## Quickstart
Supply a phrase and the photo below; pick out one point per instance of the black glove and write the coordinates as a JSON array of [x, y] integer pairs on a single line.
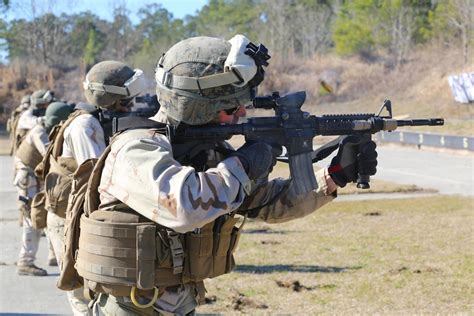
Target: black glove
[[355, 156], [258, 158]]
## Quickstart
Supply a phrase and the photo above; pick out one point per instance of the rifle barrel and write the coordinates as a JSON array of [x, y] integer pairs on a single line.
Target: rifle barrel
[[421, 122]]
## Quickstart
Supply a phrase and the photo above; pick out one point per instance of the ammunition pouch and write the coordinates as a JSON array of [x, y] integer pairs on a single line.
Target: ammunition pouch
[[38, 211], [58, 184], [119, 251], [210, 254]]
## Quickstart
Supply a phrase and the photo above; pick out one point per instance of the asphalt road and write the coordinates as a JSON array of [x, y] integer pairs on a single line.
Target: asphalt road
[[446, 172], [23, 295]]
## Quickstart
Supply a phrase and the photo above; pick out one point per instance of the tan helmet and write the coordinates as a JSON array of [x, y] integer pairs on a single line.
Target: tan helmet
[[110, 81], [199, 76], [42, 98]]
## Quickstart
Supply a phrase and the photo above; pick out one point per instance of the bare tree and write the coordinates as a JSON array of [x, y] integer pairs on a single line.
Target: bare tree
[[121, 34], [401, 34], [312, 29], [44, 35], [460, 16], [293, 27]]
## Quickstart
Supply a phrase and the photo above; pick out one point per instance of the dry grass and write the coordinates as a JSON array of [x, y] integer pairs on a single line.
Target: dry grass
[[21, 78], [378, 257]]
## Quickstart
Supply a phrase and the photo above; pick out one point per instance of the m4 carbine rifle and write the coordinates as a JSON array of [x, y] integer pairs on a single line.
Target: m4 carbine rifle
[[109, 119], [295, 129]]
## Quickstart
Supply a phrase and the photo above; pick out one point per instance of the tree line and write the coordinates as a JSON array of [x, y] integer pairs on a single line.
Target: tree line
[[289, 28]]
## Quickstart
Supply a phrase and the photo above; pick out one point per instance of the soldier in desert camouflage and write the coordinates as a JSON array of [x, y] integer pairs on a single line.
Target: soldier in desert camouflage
[[109, 85], [28, 155], [174, 211]]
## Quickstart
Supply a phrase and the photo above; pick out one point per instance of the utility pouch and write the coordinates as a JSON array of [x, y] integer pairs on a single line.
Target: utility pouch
[[199, 257], [210, 253], [163, 253], [222, 243], [38, 211], [164, 269], [58, 187], [234, 241], [146, 237]]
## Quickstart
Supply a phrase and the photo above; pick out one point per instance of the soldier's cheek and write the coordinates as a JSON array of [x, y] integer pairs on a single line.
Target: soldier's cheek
[[225, 118]]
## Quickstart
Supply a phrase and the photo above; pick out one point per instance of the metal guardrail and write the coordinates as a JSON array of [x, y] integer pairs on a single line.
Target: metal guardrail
[[428, 139]]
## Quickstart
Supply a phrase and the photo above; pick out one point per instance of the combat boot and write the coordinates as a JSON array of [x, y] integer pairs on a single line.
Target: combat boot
[[30, 270], [52, 262]]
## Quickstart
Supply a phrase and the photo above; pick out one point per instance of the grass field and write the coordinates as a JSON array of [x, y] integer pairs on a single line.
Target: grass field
[[379, 257]]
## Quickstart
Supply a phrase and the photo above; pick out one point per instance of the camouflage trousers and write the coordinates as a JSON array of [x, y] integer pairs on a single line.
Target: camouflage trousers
[[29, 244], [122, 306], [55, 228], [26, 185]]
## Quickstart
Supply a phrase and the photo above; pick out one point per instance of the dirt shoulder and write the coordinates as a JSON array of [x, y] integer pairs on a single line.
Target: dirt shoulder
[[370, 257]]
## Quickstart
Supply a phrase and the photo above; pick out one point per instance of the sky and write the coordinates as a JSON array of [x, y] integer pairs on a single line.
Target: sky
[[102, 8], [27, 9]]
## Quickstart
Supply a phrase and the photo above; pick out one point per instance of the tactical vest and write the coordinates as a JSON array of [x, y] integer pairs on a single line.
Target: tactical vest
[[121, 251], [16, 136], [56, 171], [29, 155]]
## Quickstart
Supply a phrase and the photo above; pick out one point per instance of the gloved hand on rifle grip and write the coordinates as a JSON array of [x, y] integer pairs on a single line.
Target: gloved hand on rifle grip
[[354, 156], [258, 158]]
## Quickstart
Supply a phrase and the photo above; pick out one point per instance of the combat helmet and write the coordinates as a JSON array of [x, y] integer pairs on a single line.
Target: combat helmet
[[199, 76], [41, 98], [110, 81], [55, 113]]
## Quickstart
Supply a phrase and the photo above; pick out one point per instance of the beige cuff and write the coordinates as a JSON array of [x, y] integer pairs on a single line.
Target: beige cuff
[[235, 167], [325, 183]]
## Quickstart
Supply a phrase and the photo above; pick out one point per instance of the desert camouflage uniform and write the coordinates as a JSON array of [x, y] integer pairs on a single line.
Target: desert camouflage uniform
[[83, 139], [27, 120], [141, 172], [28, 185]]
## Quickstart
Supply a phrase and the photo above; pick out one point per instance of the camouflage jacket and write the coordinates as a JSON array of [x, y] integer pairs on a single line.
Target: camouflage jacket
[[25, 179], [83, 139], [141, 172]]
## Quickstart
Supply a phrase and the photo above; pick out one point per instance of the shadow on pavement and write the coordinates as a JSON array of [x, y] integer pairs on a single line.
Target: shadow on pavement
[[264, 231], [245, 268]]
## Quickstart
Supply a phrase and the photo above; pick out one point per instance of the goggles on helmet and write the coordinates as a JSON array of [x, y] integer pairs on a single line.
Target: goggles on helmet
[[240, 68], [133, 86], [45, 99]]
